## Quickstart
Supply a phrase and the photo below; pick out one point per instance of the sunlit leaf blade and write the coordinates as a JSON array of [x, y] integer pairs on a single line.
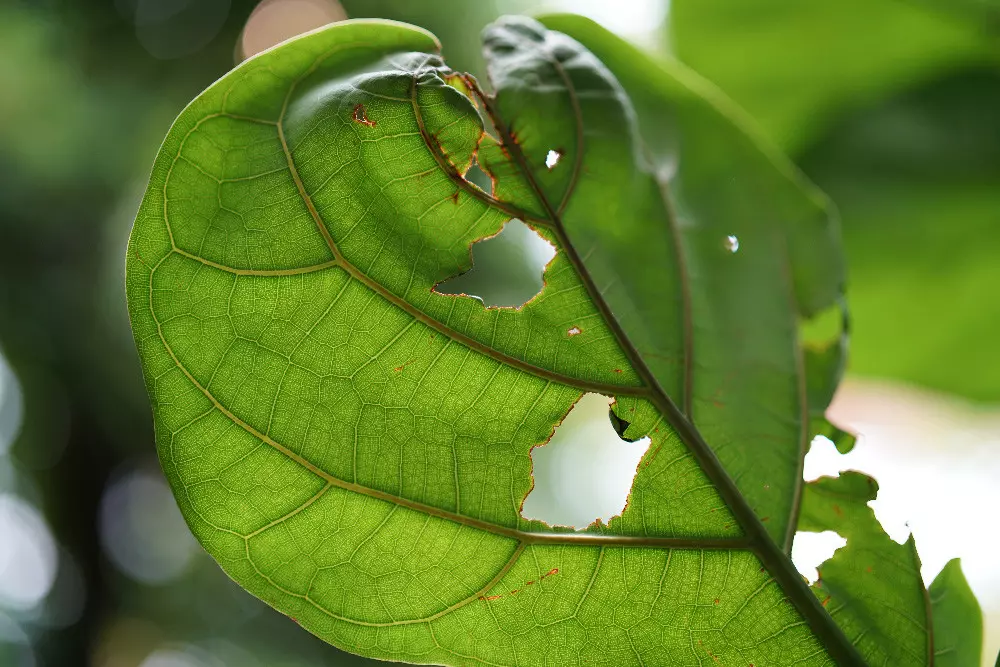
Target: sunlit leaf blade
[[958, 619], [872, 587], [738, 249], [353, 447]]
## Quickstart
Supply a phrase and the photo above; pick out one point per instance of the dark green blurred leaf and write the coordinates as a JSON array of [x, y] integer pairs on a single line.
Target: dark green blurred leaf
[[917, 181], [958, 619], [891, 106], [797, 65]]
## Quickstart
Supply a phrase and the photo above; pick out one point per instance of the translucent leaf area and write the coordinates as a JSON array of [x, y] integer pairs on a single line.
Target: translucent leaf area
[[354, 445]]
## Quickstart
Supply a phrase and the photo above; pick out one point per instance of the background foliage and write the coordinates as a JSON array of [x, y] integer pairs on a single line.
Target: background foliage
[[890, 105]]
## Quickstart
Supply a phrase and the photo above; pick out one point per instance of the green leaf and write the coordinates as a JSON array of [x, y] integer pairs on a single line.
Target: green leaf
[[872, 586], [897, 172], [735, 355], [958, 619], [888, 105], [353, 447], [796, 66]]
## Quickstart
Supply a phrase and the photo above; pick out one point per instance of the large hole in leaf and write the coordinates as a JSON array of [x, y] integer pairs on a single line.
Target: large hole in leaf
[[585, 471], [506, 268]]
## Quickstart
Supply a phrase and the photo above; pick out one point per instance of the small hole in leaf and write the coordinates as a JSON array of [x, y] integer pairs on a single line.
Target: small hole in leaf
[[810, 550], [574, 331], [506, 268], [585, 471], [732, 243], [552, 159]]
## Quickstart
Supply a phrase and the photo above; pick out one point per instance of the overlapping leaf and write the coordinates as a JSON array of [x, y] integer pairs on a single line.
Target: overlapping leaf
[[353, 447]]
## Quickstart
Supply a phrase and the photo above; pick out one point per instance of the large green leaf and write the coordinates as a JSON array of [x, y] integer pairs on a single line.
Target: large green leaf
[[354, 447]]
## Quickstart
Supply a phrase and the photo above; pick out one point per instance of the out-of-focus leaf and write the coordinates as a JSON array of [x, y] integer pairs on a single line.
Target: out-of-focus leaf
[[797, 66], [872, 587], [890, 107], [958, 619], [455, 22], [916, 182]]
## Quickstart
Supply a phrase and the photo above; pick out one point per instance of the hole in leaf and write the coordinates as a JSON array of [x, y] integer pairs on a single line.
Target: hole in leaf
[[585, 471], [824, 328], [810, 550], [574, 331], [506, 268], [620, 425], [552, 159], [732, 243]]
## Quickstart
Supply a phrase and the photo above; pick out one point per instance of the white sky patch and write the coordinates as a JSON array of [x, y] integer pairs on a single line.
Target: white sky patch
[[28, 557], [585, 471], [810, 550], [131, 505], [935, 459], [632, 19]]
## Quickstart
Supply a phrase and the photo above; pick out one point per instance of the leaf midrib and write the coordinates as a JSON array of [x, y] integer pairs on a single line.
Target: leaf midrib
[[760, 541]]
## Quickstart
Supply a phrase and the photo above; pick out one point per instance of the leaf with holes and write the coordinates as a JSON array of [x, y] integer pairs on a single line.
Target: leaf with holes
[[353, 445]]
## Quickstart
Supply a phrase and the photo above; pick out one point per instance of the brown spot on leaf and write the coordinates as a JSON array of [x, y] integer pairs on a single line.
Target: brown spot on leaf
[[402, 366], [361, 116], [652, 456]]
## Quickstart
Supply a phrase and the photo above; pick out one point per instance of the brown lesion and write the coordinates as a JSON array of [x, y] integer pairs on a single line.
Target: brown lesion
[[361, 116], [457, 173], [491, 598]]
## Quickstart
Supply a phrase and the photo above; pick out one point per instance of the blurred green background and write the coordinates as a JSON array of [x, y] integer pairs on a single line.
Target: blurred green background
[[891, 106]]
